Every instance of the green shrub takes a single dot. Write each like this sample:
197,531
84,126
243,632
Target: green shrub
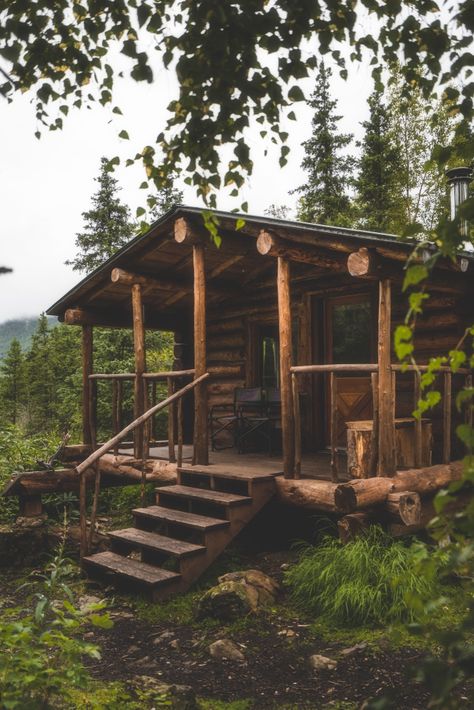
368,581
41,659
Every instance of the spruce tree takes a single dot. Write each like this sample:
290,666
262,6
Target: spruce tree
378,184
107,225
13,382
166,198
325,195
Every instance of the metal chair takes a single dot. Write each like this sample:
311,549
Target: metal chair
226,418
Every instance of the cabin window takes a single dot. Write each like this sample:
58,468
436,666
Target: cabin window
351,331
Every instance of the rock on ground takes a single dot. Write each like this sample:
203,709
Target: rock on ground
322,663
226,650
237,594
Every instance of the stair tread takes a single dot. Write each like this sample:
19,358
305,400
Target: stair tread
191,520
237,473
132,569
157,542
204,494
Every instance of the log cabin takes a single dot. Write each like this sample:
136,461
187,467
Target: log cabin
284,382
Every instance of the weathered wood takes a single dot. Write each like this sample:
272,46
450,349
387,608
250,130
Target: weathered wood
95,504
140,362
92,407
364,493
386,444
405,505
374,441
270,245
286,353
74,452
297,424
116,408
201,445
112,376
168,374
230,371
307,493
418,422
171,423
115,318
333,367
185,232
179,458
30,506
352,526
447,410
82,515
367,263
333,425
87,365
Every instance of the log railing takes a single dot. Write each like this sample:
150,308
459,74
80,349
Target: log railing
150,380
332,370
92,460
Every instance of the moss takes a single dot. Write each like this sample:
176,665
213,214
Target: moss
213,704
104,696
177,610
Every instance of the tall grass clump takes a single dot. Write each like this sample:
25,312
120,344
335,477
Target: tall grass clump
369,581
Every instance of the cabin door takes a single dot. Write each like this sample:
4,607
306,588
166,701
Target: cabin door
347,332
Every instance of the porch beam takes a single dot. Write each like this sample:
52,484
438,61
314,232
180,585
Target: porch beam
140,364
200,449
87,365
112,319
286,350
386,394
269,244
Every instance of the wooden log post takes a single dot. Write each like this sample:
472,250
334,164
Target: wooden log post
171,423
271,245
447,409
140,363
386,444
286,350
297,424
333,425
87,364
200,449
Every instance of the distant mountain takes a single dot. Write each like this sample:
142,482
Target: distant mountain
20,328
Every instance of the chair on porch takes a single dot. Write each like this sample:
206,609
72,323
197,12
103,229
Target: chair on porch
232,420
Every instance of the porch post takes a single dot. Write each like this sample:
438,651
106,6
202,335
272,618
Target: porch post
386,395
200,449
140,364
286,354
87,360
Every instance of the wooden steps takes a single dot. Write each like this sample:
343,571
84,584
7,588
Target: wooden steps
173,542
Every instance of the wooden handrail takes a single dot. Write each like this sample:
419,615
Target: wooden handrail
95,456
424,368
167,374
112,376
111,443
334,367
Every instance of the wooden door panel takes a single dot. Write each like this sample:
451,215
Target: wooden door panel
354,401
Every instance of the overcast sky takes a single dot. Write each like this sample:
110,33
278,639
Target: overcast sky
45,185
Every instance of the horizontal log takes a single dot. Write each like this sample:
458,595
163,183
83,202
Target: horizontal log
116,319
227,326
307,493
330,367
165,374
271,245
226,371
112,376
367,492
405,506
225,387
74,452
186,233
367,263
236,356
156,470
226,340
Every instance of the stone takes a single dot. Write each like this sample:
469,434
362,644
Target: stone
175,644
86,601
226,650
322,663
159,694
353,649
238,594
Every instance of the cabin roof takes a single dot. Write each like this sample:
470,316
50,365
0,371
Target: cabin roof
138,255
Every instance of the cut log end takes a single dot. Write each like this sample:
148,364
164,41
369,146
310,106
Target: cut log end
265,242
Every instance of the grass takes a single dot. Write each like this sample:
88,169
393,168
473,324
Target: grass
367,582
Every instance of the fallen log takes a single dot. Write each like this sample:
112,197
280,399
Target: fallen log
368,492
405,507
307,493
123,466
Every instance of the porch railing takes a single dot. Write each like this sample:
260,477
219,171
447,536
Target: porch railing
151,380
92,460
332,370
